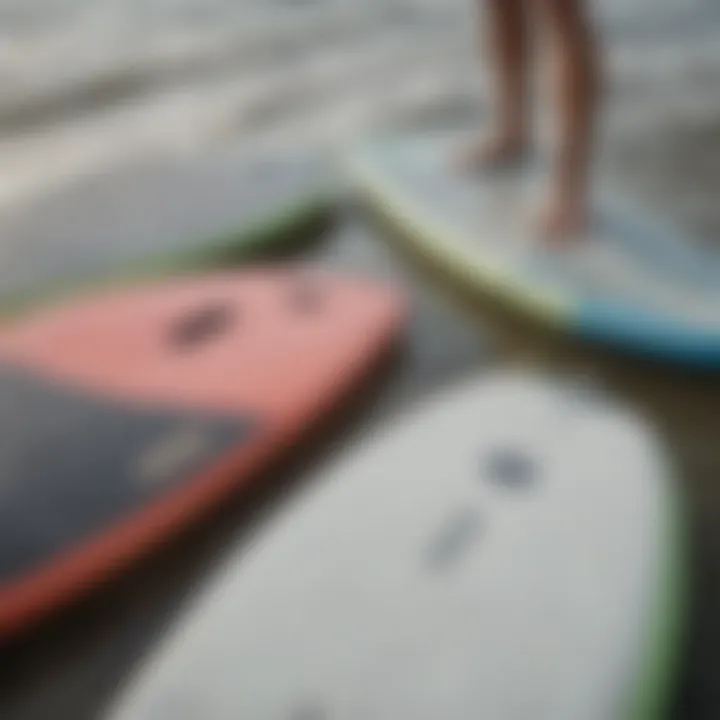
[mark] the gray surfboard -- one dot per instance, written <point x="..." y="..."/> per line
<point x="157" y="216"/>
<point x="508" y="550"/>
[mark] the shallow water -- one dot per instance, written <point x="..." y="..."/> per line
<point x="86" y="82"/>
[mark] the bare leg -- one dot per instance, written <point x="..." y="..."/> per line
<point x="508" y="53"/>
<point x="577" y="75"/>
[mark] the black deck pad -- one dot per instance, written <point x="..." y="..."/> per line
<point x="73" y="463"/>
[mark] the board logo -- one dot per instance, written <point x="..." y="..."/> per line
<point x="172" y="453"/>
<point x="455" y="538"/>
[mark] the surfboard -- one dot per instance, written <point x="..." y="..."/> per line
<point x="131" y="414"/>
<point x="157" y="216"/>
<point x="509" y="549"/>
<point x="634" y="283"/>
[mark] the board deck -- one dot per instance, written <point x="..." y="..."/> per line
<point x="634" y="283"/>
<point x="158" y="216"/>
<point x="509" y="549"/>
<point x="129" y="415"/>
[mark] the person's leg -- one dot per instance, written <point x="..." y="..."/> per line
<point x="507" y="40"/>
<point x="573" y="41"/>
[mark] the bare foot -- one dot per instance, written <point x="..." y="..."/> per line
<point x="499" y="151"/>
<point x="563" y="221"/>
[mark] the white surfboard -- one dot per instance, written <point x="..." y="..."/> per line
<point x="634" y="282"/>
<point x="506" y="551"/>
